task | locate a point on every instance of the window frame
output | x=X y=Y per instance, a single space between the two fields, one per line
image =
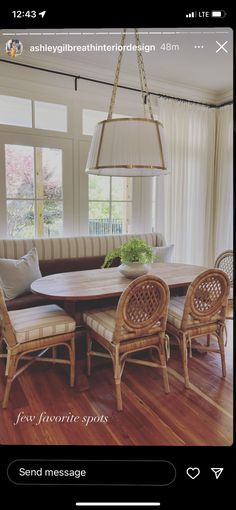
x=77 y=204
x=110 y=201
x=141 y=217
x=67 y=175
x=40 y=97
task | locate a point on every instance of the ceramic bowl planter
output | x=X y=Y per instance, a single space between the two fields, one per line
x=134 y=269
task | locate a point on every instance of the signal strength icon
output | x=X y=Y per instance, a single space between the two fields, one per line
x=190 y=15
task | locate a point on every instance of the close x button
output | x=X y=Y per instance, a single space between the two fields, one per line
x=91 y=472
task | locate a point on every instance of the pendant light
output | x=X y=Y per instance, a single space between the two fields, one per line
x=130 y=146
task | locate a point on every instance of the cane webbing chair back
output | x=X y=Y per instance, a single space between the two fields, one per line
x=206 y=299
x=142 y=308
x=225 y=262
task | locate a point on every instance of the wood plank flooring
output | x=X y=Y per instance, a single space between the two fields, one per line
x=199 y=416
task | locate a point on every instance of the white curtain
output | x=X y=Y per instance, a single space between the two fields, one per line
x=185 y=197
x=224 y=180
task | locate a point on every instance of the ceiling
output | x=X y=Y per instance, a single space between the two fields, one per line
x=181 y=63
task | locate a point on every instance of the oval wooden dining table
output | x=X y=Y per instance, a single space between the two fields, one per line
x=100 y=284
x=107 y=283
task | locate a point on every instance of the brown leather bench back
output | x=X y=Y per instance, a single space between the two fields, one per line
x=66 y=265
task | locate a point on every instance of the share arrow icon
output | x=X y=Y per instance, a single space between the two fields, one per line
x=217 y=472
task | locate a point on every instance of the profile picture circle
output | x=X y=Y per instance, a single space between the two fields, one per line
x=14 y=47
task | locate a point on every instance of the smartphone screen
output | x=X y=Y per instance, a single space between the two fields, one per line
x=116 y=259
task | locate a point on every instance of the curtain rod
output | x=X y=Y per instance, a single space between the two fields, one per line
x=93 y=80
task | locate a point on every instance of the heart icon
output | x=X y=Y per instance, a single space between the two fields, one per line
x=193 y=472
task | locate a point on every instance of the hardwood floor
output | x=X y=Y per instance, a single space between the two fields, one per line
x=199 y=416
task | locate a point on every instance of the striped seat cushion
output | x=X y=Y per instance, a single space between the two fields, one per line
x=40 y=322
x=102 y=321
x=175 y=311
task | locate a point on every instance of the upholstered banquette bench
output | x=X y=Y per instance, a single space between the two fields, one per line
x=59 y=255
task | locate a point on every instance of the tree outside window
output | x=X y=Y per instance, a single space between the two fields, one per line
x=110 y=205
x=34 y=191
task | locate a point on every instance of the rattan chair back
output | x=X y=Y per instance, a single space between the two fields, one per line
x=206 y=299
x=225 y=262
x=142 y=308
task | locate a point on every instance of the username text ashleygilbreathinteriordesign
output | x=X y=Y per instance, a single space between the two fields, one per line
x=70 y=48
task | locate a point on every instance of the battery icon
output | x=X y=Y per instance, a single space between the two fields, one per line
x=218 y=14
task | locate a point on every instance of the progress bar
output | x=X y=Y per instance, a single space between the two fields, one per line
x=142 y=504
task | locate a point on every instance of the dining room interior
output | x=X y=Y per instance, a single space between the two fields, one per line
x=116 y=237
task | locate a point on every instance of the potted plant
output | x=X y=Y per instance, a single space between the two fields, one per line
x=135 y=255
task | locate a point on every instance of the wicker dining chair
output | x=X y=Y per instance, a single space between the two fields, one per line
x=225 y=262
x=138 y=323
x=35 y=330
x=200 y=313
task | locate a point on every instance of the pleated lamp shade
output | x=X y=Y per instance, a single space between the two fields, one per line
x=127 y=147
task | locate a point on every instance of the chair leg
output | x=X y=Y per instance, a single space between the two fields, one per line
x=8 y=361
x=117 y=377
x=164 y=369
x=184 y=352
x=72 y=362
x=89 y=345
x=119 y=403
x=222 y=354
x=11 y=372
x=2 y=344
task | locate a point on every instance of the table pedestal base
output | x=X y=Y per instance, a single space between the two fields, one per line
x=81 y=379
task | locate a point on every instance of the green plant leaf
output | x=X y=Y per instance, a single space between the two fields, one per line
x=134 y=250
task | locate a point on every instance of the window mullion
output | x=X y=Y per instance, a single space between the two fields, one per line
x=110 y=204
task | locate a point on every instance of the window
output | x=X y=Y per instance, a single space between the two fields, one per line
x=15 y=111
x=33 y=191
x=50 y=116
x=92 y=117
x=110 y=198
x=110 y=205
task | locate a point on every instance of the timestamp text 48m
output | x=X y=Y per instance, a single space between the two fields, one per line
x=166 y=46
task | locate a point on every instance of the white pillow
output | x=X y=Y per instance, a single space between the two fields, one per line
x=16 y=276
x=163 y=253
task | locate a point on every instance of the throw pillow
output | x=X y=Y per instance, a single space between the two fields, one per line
x=16 y=276
x=164 y=253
